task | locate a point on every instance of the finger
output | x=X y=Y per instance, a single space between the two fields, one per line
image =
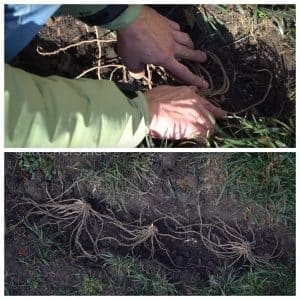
x=183 y=39
x=173 y=25
x=181 y=72
x=206 y=120
x=132 y=63
x=201 y=135
x=189 y=54
x=182 y=131
x=217 y=112
x=134 y=66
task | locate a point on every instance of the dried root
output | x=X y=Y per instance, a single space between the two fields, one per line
x=40 y=50
x=89 y=229
x=229 y=243
x=217 y=95
x=212 y=92
x=75 y=213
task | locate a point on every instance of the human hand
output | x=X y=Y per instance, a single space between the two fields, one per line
x=179 y=113
x=153 y=38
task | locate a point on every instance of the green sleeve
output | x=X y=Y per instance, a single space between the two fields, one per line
x=59 y=112
x=126 y=18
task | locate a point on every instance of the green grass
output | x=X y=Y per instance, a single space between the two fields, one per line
x=34 y=281
x=31 y=163
x=266 y=179
x=91 y=286
x=271 y=279
x=283 y=16
x=9 y=284
x=121 y=174
x=47 y=247
x=137 y=279
x=255 y=133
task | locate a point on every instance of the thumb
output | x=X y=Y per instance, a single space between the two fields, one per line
x=136 y=69
x=134 y=66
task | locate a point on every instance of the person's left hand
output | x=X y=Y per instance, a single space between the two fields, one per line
x=154 y=39
x=178 y=113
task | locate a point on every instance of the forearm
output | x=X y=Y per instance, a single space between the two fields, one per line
x=59 y=112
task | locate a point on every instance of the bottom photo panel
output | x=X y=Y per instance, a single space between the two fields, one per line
x=150 y=223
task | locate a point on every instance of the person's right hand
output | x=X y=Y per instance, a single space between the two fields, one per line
x=178 y=113
x=154 y=39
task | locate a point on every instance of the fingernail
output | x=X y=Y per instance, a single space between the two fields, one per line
x=202 y=56
x=204 y=84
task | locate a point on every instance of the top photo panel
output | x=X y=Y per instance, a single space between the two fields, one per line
x=196 y=76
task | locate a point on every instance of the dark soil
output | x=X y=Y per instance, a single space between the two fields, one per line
x=177 y=183
x=243 y=53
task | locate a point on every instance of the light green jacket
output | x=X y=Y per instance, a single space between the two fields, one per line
x=58 y=112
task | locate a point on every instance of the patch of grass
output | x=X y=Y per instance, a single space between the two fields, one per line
x=47 y=248
x=283 y=17
x=91 y=285
x=34 y=281
x=221 y=283
x=152 y=284
x=9 y=284
x=32 y=162
x=256 y=133
x=136 y=165
x=121 y=174
x=266 y=179
x=270 y=279
x=138 y=280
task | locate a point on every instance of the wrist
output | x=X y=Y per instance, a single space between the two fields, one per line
x=128 y=17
